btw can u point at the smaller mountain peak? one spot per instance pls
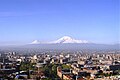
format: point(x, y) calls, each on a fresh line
point(35, 42)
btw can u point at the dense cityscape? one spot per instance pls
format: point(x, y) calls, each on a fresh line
point(64, 65)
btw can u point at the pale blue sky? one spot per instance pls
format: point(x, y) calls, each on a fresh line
point(22, 21)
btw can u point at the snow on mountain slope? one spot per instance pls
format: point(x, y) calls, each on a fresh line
point(35, 42)
point(67, 39)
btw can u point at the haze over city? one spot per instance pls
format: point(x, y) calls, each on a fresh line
point(23, 21)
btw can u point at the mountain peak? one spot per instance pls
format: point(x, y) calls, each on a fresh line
point(35, 42)
point(64, 39)
point(67, 39)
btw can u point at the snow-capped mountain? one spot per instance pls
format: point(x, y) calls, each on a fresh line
point(67, 39)
point(73, 44)
point(35, 42)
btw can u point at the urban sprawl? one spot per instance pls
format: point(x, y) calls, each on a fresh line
point(65, 65)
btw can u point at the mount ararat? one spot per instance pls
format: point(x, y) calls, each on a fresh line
point(65, 39)
point(68, 43)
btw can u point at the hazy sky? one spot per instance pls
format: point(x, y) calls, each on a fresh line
point(22, 21)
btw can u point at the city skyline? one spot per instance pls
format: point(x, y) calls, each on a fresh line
point(24, 21)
